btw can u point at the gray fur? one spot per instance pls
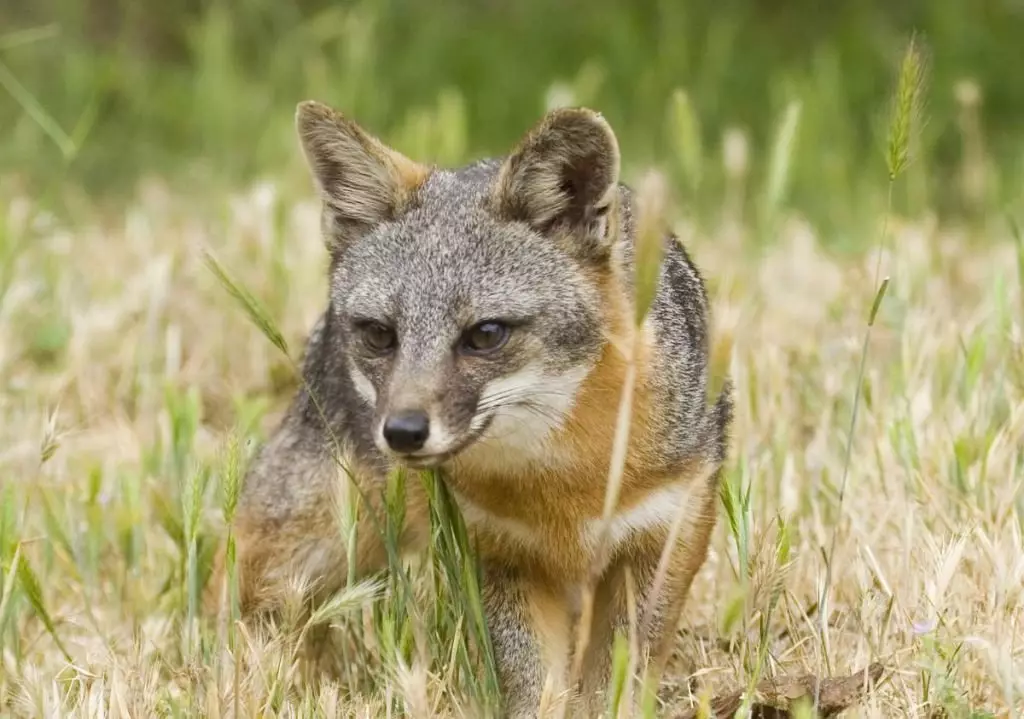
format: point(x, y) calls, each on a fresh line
point(443, 266)
point(515, 647)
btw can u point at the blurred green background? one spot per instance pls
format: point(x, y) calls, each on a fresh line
point(204, 90)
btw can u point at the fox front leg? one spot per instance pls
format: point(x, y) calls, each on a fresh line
point(275, 557)
point(529, 627)
point(659, 588)
point(664, 588)
point(290, 532)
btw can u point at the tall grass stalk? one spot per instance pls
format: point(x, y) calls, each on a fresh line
point(650, 248)
point(685, 135)
point(261, 318)
point(191, 506)
point(231, 489)
point(905, 117)
point(33, 591)
point(7, 591)
point(35, 110)
point(780, 165)
point(456, 561)
point(1018, 237)
point(29, 36)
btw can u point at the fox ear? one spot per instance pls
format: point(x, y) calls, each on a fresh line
point(563, 175)
point(362, 181)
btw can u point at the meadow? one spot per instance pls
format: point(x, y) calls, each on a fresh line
point(859, 227)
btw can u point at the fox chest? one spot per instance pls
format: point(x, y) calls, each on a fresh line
point(563, 544)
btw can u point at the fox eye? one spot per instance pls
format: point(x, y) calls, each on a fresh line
point(377, 337)
point(484, 338)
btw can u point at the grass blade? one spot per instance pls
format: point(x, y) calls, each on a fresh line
point(255, 310)
point(33, 592)
point(34, 110)
point(29, 36)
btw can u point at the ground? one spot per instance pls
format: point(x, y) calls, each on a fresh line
point(125, 366)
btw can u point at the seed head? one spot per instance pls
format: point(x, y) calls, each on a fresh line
point(906, 108)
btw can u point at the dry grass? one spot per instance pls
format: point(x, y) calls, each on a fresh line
point(125, 367)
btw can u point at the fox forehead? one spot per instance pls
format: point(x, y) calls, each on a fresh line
point(451, 258)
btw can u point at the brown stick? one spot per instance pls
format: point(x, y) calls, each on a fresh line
point(775, 698)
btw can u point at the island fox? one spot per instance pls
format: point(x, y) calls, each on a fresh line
point(474, 325)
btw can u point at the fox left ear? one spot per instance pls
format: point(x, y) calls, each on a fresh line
point(562, 177)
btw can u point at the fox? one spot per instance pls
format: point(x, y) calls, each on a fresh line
point(474, 326)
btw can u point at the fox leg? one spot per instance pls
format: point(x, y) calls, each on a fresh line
point(658, 608)
point(297, 540)
point(529, 627)
point(659, 614)
point(306, 551)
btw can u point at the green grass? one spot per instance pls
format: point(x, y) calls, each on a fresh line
point(868, 290)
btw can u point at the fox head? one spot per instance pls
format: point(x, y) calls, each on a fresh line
point(466, 304)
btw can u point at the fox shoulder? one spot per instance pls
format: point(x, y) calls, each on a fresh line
point(680, 424)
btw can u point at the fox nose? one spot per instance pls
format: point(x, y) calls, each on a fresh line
point(406, 431)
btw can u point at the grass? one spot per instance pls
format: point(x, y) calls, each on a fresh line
point(872, 509)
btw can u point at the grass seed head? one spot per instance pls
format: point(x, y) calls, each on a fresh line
point(907, 107)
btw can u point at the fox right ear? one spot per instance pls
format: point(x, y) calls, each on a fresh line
point(562, 177)
point(362, 182)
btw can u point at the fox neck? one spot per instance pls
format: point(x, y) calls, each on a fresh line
point(520, 473)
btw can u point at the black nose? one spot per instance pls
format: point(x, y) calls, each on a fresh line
point(406, 431)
